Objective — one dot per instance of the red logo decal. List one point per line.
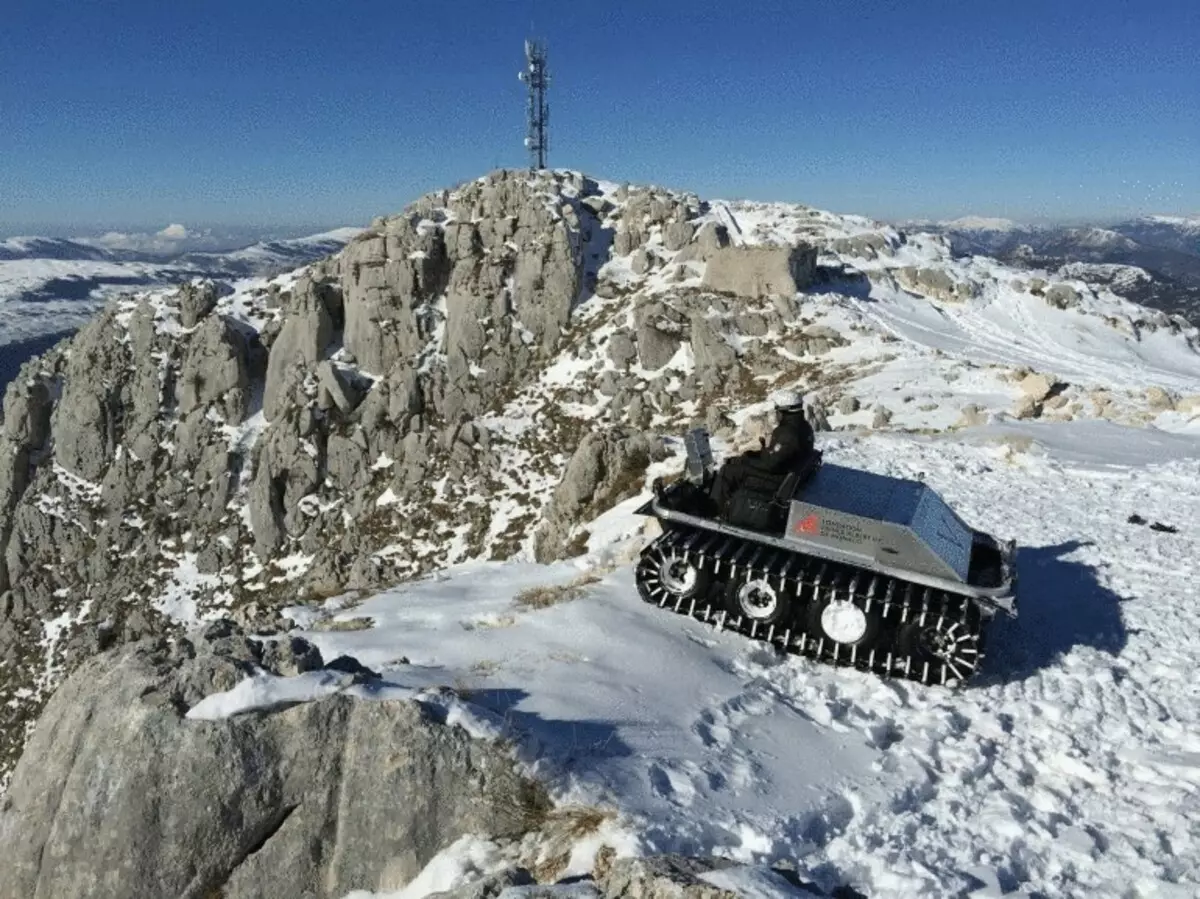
(809, 525)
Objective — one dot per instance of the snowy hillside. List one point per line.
(393, 445)
(1069, 770)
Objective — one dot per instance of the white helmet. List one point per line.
(788, 400)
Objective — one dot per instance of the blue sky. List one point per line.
(257, 112)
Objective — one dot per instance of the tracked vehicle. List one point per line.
(837, 564)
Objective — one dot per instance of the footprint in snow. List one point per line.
(675, 786)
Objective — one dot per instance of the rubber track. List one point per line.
(805, 578)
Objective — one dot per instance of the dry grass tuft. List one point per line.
(561, 829)
(542, 597)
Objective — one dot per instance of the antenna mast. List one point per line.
(536, 75)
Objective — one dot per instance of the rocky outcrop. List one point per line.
(761, 271)
(1062, 296)
(1036, 386)
(606, 468)
(120, 794)
(935, 283)
(196, 300)
(215, 371)
(307, 330)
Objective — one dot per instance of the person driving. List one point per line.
(791, 444)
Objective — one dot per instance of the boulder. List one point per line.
(759, 272)
(1062, 296)
(848, 405)
(335, 390)
(816, 415)
(119, 793)
(658, 877)
(712, 352)
(657, 343)
(1036, 386)
(1159, 399)
(621, 350)
(972, 417)
(677, 234)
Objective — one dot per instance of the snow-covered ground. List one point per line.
(1070, 768)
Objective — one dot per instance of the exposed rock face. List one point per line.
(606, 468)
(757, 272)
(196, 301)
(119, 794)
(306, 332)
(216, 370)
(935, 283)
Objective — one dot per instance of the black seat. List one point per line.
(763, 499)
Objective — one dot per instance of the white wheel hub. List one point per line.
(677, 575)
(843, 621)
(757, 599)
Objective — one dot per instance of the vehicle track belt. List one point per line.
(897, 602)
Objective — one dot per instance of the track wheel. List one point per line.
(848, 631)
(664, 576)
(945, 650)
(755, 598)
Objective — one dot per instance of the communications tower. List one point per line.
(536, 75)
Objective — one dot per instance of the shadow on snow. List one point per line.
(1062, 605)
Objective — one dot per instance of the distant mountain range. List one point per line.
(1165, 249)
(51, 286)
(263, 257)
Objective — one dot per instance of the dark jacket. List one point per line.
(791, 443)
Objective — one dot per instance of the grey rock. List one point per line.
(215, 371)
(972, 417)
(848, 405)
(658, 877)
(751, 324)
(711, 237)
(640, 261)
(713, 353)
(196, 300)
(336, 391)
(607, 467)
(817, 416)
(307, 330)
(290, 656)
(872, 245)
(882, 417)
(657, 343)
(677, 234)
(88, 419)
(118, 794)
(758, 272)
(1062, 296)
(489, 887)
(935, 283)
(621, 350)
